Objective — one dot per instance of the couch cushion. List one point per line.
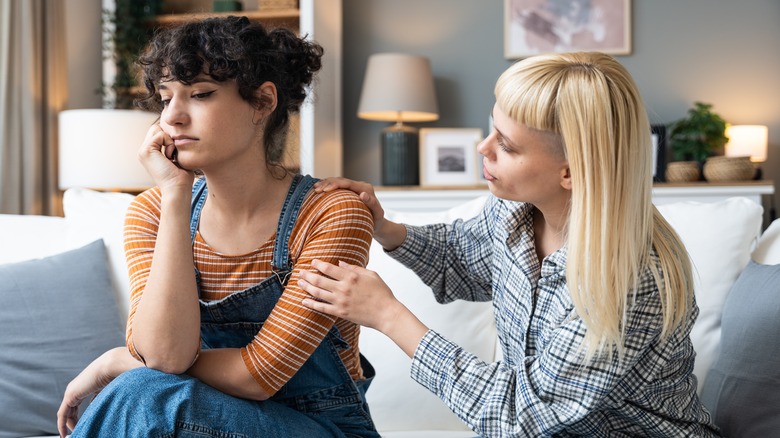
(742, 389)
(397, 402)
(719, 237)
(58, 314)
(768, 249)
(101, 215)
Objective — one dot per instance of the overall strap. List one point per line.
(199, 192)
(292, 205)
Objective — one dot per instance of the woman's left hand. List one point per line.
(90, 381)
(349, 292)
(359, 295)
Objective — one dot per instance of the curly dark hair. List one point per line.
(235, 48)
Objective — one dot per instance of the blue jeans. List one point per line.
(183, 406)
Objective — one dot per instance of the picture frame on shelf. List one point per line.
(448, 157)
(534, 27)
(658, 135)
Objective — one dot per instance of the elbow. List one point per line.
(169, 365)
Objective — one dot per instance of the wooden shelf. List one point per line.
(278, 17)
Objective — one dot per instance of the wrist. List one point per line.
(391, 235)
(403, 327)
(118, 360)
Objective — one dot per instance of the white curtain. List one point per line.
(33, 89)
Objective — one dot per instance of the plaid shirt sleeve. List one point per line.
(453, 259)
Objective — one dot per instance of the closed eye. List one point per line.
(502, 145)
(201, 96)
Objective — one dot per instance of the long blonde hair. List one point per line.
(592, 103)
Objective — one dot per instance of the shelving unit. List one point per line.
(279, 17)
(424, 200)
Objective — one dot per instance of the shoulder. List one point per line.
(148, 201)
(339, 202)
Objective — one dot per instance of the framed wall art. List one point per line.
(534, 27)
(448, 156)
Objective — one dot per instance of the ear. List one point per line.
(267, 95)
(566, 177)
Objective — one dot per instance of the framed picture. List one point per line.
(448, 156)
(533, 27)
(658, 133)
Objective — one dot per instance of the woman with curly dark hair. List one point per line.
(218, 342)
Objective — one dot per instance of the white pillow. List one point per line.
(767, 251)
(719, 237)
(397, 402)
(92, 215)
(26, 237)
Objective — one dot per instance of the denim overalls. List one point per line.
(321, 399)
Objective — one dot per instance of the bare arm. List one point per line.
(164, 323)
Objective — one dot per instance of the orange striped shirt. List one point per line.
(331, 226)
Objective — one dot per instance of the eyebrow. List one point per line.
(197, 80)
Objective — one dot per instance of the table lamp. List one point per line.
(748, 141)
(98, 149)
(399, 88)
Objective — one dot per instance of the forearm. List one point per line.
(166, 321)
(391, 235)
(224, 369)
(403, 328)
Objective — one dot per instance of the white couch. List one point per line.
(719, 236)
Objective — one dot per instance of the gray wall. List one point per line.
(723, 52)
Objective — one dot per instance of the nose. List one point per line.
(487, 146)
(175, 113)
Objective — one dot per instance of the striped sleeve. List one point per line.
(334, 226)
(140, 234)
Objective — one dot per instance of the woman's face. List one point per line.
(523, 164)
(209, 122)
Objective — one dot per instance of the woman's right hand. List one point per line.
(90, 381)
(158, 156)
(388, 233)
(364, 190)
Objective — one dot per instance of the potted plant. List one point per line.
(693, 139)
(126, 31)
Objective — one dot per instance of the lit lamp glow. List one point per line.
(748, 141)
(399, 88)
(98, 149)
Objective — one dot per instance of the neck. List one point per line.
(240, 196)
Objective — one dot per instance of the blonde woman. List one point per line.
(592, 289)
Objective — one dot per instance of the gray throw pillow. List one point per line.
(57, 315)
(742, 390)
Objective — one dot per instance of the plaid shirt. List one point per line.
(541, 386)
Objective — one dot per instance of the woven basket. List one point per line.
(720, 168)
(265, 5)
(682, 171)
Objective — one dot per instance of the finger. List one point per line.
(315, 290)
(329, 270)
(319, 306)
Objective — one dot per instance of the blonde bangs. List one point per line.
(526, 92)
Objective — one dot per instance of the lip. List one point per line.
(488, 176)
(180, 140)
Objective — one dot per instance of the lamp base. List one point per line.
(400, 156)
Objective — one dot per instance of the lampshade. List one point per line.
(98, 149)
(398, 88)
(747, 141)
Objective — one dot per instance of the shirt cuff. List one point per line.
(431, 360)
